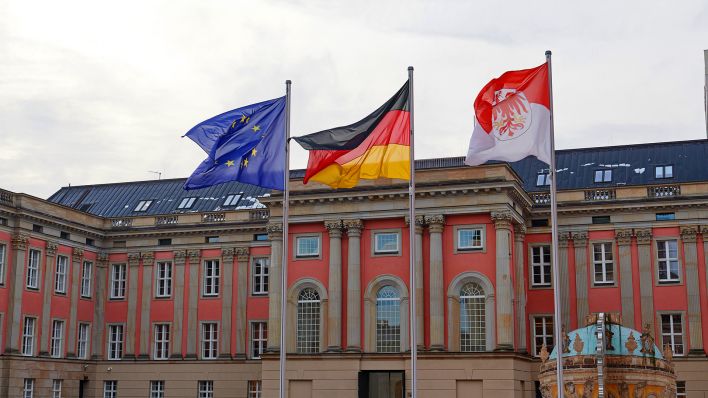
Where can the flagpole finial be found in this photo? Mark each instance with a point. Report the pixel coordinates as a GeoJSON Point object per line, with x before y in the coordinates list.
{"type": "Point", "coordinates": [548, 53]}
{"type": "Point", "coordinates": [288, 81]}
{"type": "Point", "coordinates": [410, 68]}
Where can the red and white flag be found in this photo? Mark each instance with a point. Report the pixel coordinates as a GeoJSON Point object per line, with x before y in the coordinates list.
{"type": "Point", "coordinates": [512, 118]}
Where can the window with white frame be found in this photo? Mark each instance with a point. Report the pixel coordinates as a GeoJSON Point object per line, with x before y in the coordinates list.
{"type": "Point", "coordinates": [664, 171]}
{"type": "Point", "coordinates": [118, 272]}
{"type": "Point", "coordinates": [33, 269]}
{"type": "Point", "coordinates": [163, 279]}
{"type": "Point", "coordinates": [60, 274]}
{"type": "Point", "coordinates": [28, 388]}
{"type": "Point", "coordinates": [211, 278]}
{"type": "Point", "coordinates": [110, 389]}
{"type": "Point", "coordinates": [86, 277]}
{"type": "Point", "coordinates": [56, 388]}
{"type": "Point", "coordinates": [473, 318]}
{"type": "Point", "coordinates": [161, 341]}
{"type": "Point", "coordinates": [469, 239]}
{"type": "Point", "coordinates": [143, 205]}
{"type": "Point", "coordinates": [254, 389]}
{"type": "Point", "coordinates": [307, 246]}
{"type": "Point", "coordinates": [672, 332]}
{"type": "Point", "coordinates": [157, 389]}
{"type": "Point", "coordinates": [115, 342]}
{"type": "Point", "coordinates": [259, 284]}
{"type": "Point", "coordinates": [388, 320]}
{"type": "Point", "coordinates": [259, 338]}
{"type": "Point", "coordinates": [210, 340]}
{"type": "Point", "coordinates": [603, 261]}
{"type": "Point", "coordinates": [3, 253]}
{"type": "Point", "coordinates": [28, 336]}
{"type": "Point", "coordinates": [541, 266]}
{"type": "Point", "coordinates": [668, 263]}
{"type": "Point", "coordinates": [308, 321]}
{"type": "Point", "coordinates": [603, 175]}
{"type": "Point", "coordinates": [542, 333]}
{"type": "Point", "coordinates": [206, 389]}
{"type": "Point", "coordinates": [186, 203]}
{"type": "Point", "coordinates": [386, 243]}
{"type": "Point", "coordinates": [543, 179]}
{"type": "Point", "coordinates": [231, 200]}
{"type": "Point", "coordinates": [82, 344]}
{"type": "Point", "coordinates": [57, 342]}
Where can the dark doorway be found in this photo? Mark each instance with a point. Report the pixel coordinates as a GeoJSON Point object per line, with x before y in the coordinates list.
{"type": "Point", "coordinates": [82, 387]}
{"type": "Point", "coordinates": [382, 384]}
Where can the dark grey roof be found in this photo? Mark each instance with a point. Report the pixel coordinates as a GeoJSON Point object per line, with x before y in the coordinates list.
{"type": "Point", "coordinates": [630, 165]}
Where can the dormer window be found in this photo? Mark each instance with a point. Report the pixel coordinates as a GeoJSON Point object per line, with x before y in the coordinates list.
{"type": "Point", "coordinates": [143, 205]}
{"type": "Point", "coordinates": [603, 175]}
{"type": "Point", "coordinates": [186, 203]}
{"type": "Point", "coordinates": [664, 172]}
{"type": "Point", "coordinates": [543, 179]}
{"type": "Point", "coordinates": [232, 199]}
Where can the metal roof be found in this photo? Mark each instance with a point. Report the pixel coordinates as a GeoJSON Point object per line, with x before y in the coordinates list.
{"type": "Point", "coordinates": [630, 165]}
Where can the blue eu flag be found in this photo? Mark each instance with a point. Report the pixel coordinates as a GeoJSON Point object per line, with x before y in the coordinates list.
{"type": "Point", "coordinates": [246, 145]}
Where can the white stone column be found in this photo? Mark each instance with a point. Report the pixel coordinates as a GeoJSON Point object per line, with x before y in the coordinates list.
{"type": "Point", "coordinates": [50, 251]}
{"type": "Point", "coordinates": [275, 234]}
{"type": "Point", "coordinates": [334, 311]}
{"type": "Point", "coordinates": [131, 332]}
{"type": "Point", "coordinates": [192, 321]}
{"type": "Point", "coordinates": [180, 257]}
{"type": "Point", "coordinates": [145, 328]}
{"type": "Point", "coordinates": [623, 237]}
{"type": "Point", "coordinates": [15, 282]}
{"type": "Point", "coordinates": [580, 247]}
{"type": "Point", "coordinates": [227, 265]}
{"type": "Point", "coordinates": [354, 228]}
{"type": "Point", "coordinates": [76, 264]}
{"type": "Point", "coordinates": [520, 285]}
{"type": "Point", "coordinates": [505, 313]}
{"type": "Point", "coordinates": [563, 242]}
{"type": "Point", "coordinates": [99, 309]}
{"type": "Point", "coordinates": [690, 256]}
{"type": "Point", "coordinates": [242, 258]}
{"type": "Point", "coordinates": [436, 223]}
{"type": "Point", "coordinates": [646, 287]}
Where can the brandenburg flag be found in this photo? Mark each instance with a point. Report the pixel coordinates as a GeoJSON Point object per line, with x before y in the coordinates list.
{"type": "Point", "coordinates": [512, 118]}
{"type": "Point", "coordinates": [374, 147]}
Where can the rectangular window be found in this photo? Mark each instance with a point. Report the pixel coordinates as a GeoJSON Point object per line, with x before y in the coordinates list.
{"type": "Point", "coordinates": [211, 278]}
{"type": "Point", "coordinates": [664, 172]}
{"type": "Point", "coordinates": [56, 388]}
{"type": "Point", "coordinates": [3, 253]}
{"type": "Point", "coordinates": [37, 228]}
{"type": "Point", "coordinates": [164, 242]}
{"type": "Point", "coordinates": [254, 389]}
{"type": "Point", "coordinates": [469, 239]}
{"type": "Point", "coordinates": [33, 269]}
{"type": "Point", "coordinates": [118, 281]}
{"type": "Point", "coordinates": [672, 332]}
{"type": "Point", "coordinates": [90, 242]}
{"type": "Point", "coordinates": [543, 179]}
{"type": "Point", "coordinates": [603, 175]}
{"type": "Point", "coordinates": [60, 274]}
{"type": "Point", "coordinates": [211, 239]}
{"type": "Point", "coordinates": [260, 237]}
{"type": "Point", "coordinates": [386, 243]}
{"type": "Point", "coordinates": [210, 340]}
{"type": "Point", "coordinates": [64, 235]}
{"type": "Point", "coordinates": [667, 251]}
{"type": "Point", "coordinates": [143, 205]}
{"type": "Point", "coordinates": [162, 341]}
{"type": "Point", "coordinates": [541, 266]}
{"type": "Point", "coordinates": [539, 222]}
{"type": "Point", "coordinates": [28, 388]}
{"type": "Point", "coordinates": [231, 200]}
{"type": "Point", "coordinates": [259, 285]}
{"type": "Point", "coordinates": [186, 203]}
{"type": "Point", "coordinates": [86, 277]}
{"type": "Point", "coordinates": [163, 279]}
{"type": "Point", "coordinates": [259, 339]}
{"type": "Point", "coordinates": [603, 264]}
{"type": "Point", "coordinates": [542, 333]}
{"type": "Point", "coordinates": [665, 216]}
{"type": "Point", "coordinates": [601, 219]}
{"type": "Point", "coordinates": [206, 389]}
{"type": "Point", "coordinates": [28, 336]}
{"type": "Point", "coordinates": [307, 246]}
{"type": "Point", "coordinates": [110, 389]}
{"type": "Point", "coordinates": [680, 389]}
{"type": "Point", "coordinates": [115, 342]}
{"type": "Point", "coordinates": [57, 341]}
{"type": "Point", "coordinates": [82, 344]}
{"type": "Point", "coordinates": [157, 389]}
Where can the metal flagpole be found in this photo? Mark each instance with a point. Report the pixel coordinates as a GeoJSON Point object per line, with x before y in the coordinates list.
{"type": "Point", "coordinates": [554, 244]}
{"type": "Point", "coordinates": [411, 245]}
{"type": "Point", "coordinates": [284, 270]}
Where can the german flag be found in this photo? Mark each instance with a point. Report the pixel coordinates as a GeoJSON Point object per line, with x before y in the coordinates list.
{"type": "Point", "coordinates": [374, 147]}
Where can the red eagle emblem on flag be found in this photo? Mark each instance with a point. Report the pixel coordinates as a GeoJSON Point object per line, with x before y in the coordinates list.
{"type": "Point", "coordinates": [511, 114]}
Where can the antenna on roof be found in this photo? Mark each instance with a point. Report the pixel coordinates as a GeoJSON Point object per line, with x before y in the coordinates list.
{"type": "Point", "coordinates": [159, 173]}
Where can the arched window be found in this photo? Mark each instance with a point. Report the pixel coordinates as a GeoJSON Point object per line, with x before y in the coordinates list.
{"type": "Point", "coordinates": [472, 318]}
{"type": "Point", "coordinates": [388, 320]}
{"type": "Point", "coordinates": [308, 321]}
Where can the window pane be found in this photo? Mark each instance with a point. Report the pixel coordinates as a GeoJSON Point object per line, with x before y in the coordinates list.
{"type": "Point", "coordinates": [472, 318]}
{"type": "Point", "coordinates": [386, 242]}
{"type": "Point", "coordinates": [308, 321]}
{"type": "Point", "coordinates": [388, 320]}
{"type": "Point", "coordinates": [668, 171]}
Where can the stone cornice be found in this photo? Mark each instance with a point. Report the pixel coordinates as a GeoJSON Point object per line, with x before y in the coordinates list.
{"type": "Point", "coordinates": [689, 234]}
{"type": "Point", "coordinates": [623, 236]}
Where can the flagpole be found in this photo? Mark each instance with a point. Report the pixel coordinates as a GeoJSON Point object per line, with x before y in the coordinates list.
{"type": "Point", "coordinates": [411, 244]}
{"type": "Point", "coordinates": [554, 244]}
{"type": "Point", "coordinates": [284, 270]}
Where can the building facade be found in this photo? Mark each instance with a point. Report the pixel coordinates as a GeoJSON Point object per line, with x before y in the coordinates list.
{"type": "Point", "coordinates": [143, 289]}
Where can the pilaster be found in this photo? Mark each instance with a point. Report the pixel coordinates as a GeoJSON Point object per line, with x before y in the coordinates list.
{"type": "Point", "coordinates": [420, 222]}
{"type": "Point", "coordinates": [334, 311]}
{"type": "Point", "coordinates": [131, 332]}
{"type": "Point", "coordinates": [354, 228]}
{"type": "Point", "coordinates": [275, 234]}
{"type": "Point", "coordinates": [193, 301]}
{"type": "Point", "coordinates": [145, 328]}
{"type": "Point", "coordinates": [646, 288]}
{"type": "Point", "coordinates": [180, 257]}
{"type": "Point", "coordinates": [16, 286]}
{"type": "Point", "coordinates": [505, 313]}
{"type": "Point", "coordinates": [242, 258]}
{"type": "Point", "coordinates": [563, 242]}
{"type": "Point", "coordinates": [50, 251]}
{"type": "Point", "coordinates": [520, 285]}
{"type": "Point", "coordinates": [98, 326]}
{"type": "Point", "coordinates": [690, 255]}
{"type": "Point", "coordinates": [436, 223]}
{"type": "Point", "coordinates": [77, 257]}
{"type": "Point", "coordinates": [623, 237]}
{"type": "Point", "coordinates": [580, 247]}
{"type": "Point", "coordinates": [227, 265]}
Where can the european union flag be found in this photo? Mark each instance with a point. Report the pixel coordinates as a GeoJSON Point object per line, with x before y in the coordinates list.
{"type": "Point", "coordinates": [246, 145]}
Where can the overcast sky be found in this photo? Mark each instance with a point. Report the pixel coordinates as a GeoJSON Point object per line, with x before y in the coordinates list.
{"type": "Point", "coordinates": [98, 92]}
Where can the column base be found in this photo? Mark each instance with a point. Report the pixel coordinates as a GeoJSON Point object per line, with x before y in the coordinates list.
{"type": "Point", "coordinates": [143, 357]}
{"type": "Point", "coordinates": [191, 356]}
{"type": "Point", "coordinates": [437, 347]}
{"type": "Point", "coordinates": [240, 356]}
{"type": "Point", "coordinates": [176, 356]}
{"type": "Point", "coordinates": [334, 348]}
{"type": "Point", "coordinates": [504, 348]}
{"type": "Point", "coordinates": [353, 349]}
{"type": "Point", "coordinates": [696, 352]}
{"type": "Point", "coordinates": [224, 356]}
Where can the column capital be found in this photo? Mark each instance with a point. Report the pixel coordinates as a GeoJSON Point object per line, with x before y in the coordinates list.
{"type": "Point", "coordinates": [51, 248]}
{"type": "Point", "coordinates": [353, 227]}
{"type": "Point", "coordinates": [519, 232]}
{"type": "Point", "coordinates": [133, 259]}
{"type": "Point", "coordinates": [20, 241]}
{"type": "Point", "coordinates": [436, 223]}
{"type": "Point", "coordinates": [689, 233]}
{"type": "Point", "coordinates": [77, 253]}
{"type": "Point", "coordinates": [102, 260]}
{"type": "Point", "coordinates": [334, 227]}
{"type": "Point", "coordinates": [502, 219]}
{"type": "Point", "coordinates": [623, 236]}
{"type": "Point", "coordinates": [242, 253]}
{"type": "Point", "coordinates": [580, 238]}
{"type": "Point", "coordinates": [704, 231]}
{"type": "Point", "coordinates": [275, 231]}
{"type": "Point", "coordinates": [193, 256]}
{"type": "Point", "coordinates": [563, 239]}
{"type": "Point", "coordinates": [148, 258]}
{"type": "Point", "coordinates": [227, 254]}
{"type": "Point", "coordinates": [180, 256]}
{"type": "Point", "coordinates": [643, 236]}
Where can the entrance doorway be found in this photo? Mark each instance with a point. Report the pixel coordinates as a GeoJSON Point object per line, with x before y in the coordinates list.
{"type": "Point", "coordinates": [382, 384]}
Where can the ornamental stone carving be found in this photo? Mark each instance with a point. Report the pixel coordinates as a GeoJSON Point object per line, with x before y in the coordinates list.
{"type": "Point", "coordinates": [647, 340]}
{"type": "Point", "coordinates": [19, 241]}
{"type": "Point", "coordinates": [578, 344]}
{"type": "Point", "coordinates": [580, 238]}
{"type": "Point", "coordinates": [631, 343]}
{"type": "Point", "coordinates": [704, 231]}
{"type": "Point", "coordinates": [193, 256]}
{"type": "Point", "coordinates": [133, 259]}
{"type": "Point", "coordinates": [148, 258]}
{"type": "Point", "coordinates": [51, 248]}
{"type": "Point", "coordinates": [102, 260]}
{"type": "Point", "coordinates": [353, 227]}
{"type": "Point", "coordinates": [563, 239]}
{"type": "Point", "coordinates": [436, 223]}
{"type": "Point", "coordinates": [688, 234]}
{"type": "Point", "coordinates": [502, 219]}
{"type": "Point", "coordinates": [275, 231]}
{"type": "Point", "coordinates": [643, 236]}
{"type": "Point", "coordinates": [77, 253]}
{"type": "Point", "coordinates": [623, 237]}
{"type": "Point", "coordinates": [180, 256]}
{"type": "Point", "coordinates": [242, 253]}
{"type": "Point", "coordinates": [334, 227]}
{"type": "Point", "coordinates": [227, 254]}
{"type": "Point", "coordinates": [519, 232]}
